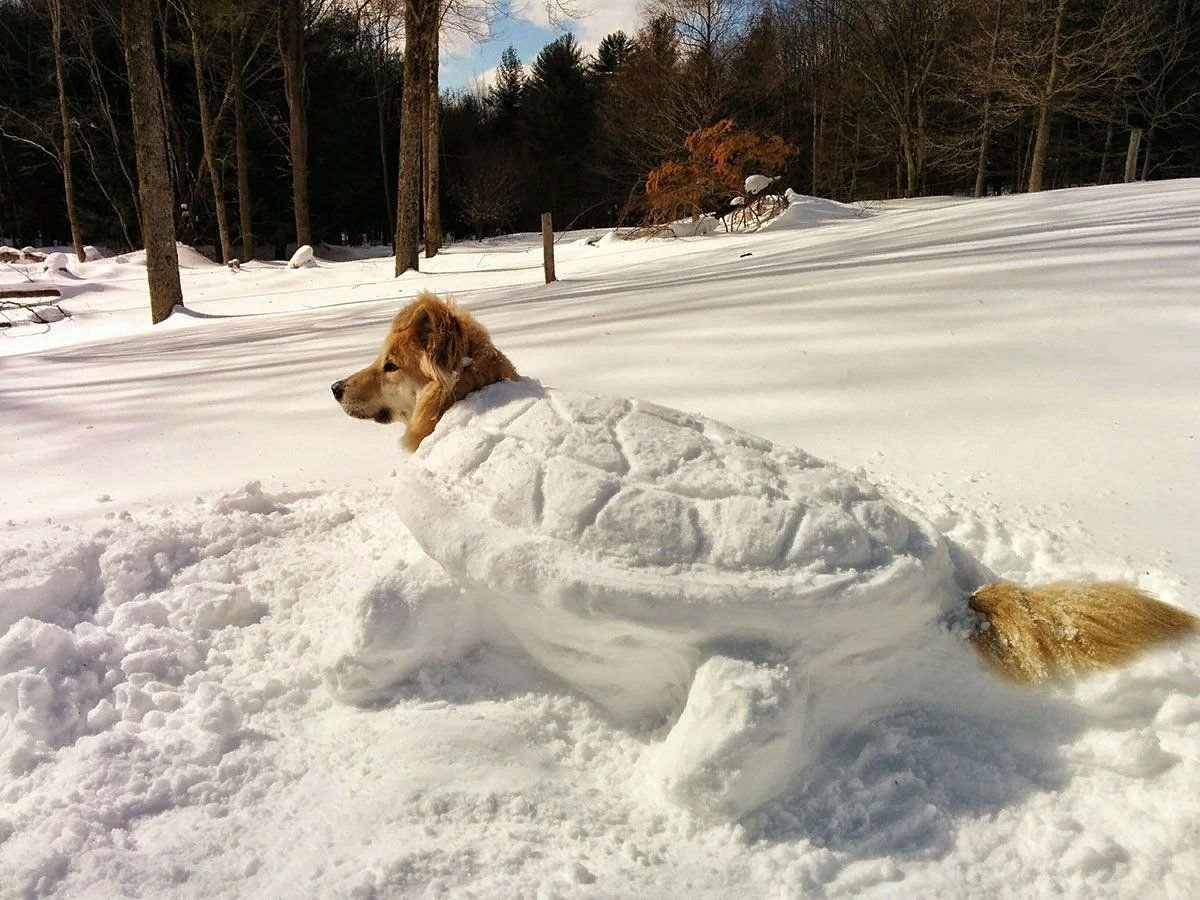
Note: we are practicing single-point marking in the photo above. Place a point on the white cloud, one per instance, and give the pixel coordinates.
(595, 21)
(616, 15)
(467, 63)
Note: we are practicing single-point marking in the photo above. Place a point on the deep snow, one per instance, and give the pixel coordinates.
(1022, 371)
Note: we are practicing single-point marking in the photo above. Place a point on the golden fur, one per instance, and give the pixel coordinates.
(1069, 627)
(434, 356)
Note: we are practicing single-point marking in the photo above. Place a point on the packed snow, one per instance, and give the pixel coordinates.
(804, 211)
(218, 676)
(626, 547)
(301, 258)
(756, 184)
(55, 262)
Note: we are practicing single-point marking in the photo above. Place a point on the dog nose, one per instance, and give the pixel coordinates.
(338, 388)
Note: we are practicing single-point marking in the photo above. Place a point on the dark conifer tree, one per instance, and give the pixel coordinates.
(504, 98)
(557, 117)
(612, 54)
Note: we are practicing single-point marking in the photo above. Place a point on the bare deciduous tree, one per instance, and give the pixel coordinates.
(901, 43)
(200, 30)
(489, 192)
(291, 53)
(57, 9)
(150, 142)
(1070, 56)
(433, 118)
(420, 20)
(1166, 86)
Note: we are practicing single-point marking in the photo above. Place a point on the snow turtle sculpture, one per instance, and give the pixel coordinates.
(667, 566)
(674, 570)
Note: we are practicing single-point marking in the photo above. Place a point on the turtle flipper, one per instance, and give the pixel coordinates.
(411, 618)
(733, 747)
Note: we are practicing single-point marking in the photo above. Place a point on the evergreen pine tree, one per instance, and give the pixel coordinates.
(504, 98)
(613, 52)
(557, 119)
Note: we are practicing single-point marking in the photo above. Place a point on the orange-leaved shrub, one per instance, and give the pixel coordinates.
(719, 158)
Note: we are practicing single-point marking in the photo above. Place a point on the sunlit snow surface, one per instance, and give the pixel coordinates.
(1021, 372)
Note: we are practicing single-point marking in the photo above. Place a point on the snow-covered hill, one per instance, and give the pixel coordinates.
(193, 527)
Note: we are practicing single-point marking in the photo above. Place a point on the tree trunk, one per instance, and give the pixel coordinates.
(910, 163)
(854, 161)
(433, 132)
(245, 207)
(408, 183)
(1146, 158)
(985, 136)
(1131, 157)
(150, 144)
(54, 7)
(381, 97)
(919, 187)
(105, 107)
(1037, 166)
(1108, 139)
(209, 141)
(984, 139)
(291, 52)
(178, 164)
(815, 144)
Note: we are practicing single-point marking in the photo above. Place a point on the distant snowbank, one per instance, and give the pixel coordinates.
(804, 211)
(189, 258)
(349, 252)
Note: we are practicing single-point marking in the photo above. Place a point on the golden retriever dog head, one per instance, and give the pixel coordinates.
(434, 356)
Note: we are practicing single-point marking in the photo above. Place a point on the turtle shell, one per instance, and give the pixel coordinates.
(662, 528)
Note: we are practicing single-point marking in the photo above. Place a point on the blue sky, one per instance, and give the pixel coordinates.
(529, 39)
(529, 34)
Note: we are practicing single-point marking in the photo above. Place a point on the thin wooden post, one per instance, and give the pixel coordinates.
(548, 247)
(1131, 157)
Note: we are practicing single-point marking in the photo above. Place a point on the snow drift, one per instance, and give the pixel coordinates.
(804, 211)
(967, 353)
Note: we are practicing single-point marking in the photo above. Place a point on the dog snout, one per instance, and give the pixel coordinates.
(338, 388)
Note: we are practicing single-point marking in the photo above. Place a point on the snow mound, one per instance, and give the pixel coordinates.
(627, 547)
(804, 210)
(756, 184)
(90, 634)
(189, 258)
(302, 257)
(688, 228)
(55, 262)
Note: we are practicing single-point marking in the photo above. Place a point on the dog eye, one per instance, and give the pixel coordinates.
(390, 366)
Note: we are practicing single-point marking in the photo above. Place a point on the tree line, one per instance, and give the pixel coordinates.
(259, 124)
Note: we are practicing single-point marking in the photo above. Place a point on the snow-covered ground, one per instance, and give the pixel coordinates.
(196, 535)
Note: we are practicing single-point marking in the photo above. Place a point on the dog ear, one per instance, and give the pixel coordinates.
(406, 317)
(442, 340)
(447, 341)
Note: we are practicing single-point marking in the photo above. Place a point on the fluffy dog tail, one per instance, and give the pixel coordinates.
(1069, 627)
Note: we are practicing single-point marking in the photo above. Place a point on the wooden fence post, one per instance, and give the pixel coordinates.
(548, 247)
(1131, 157)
